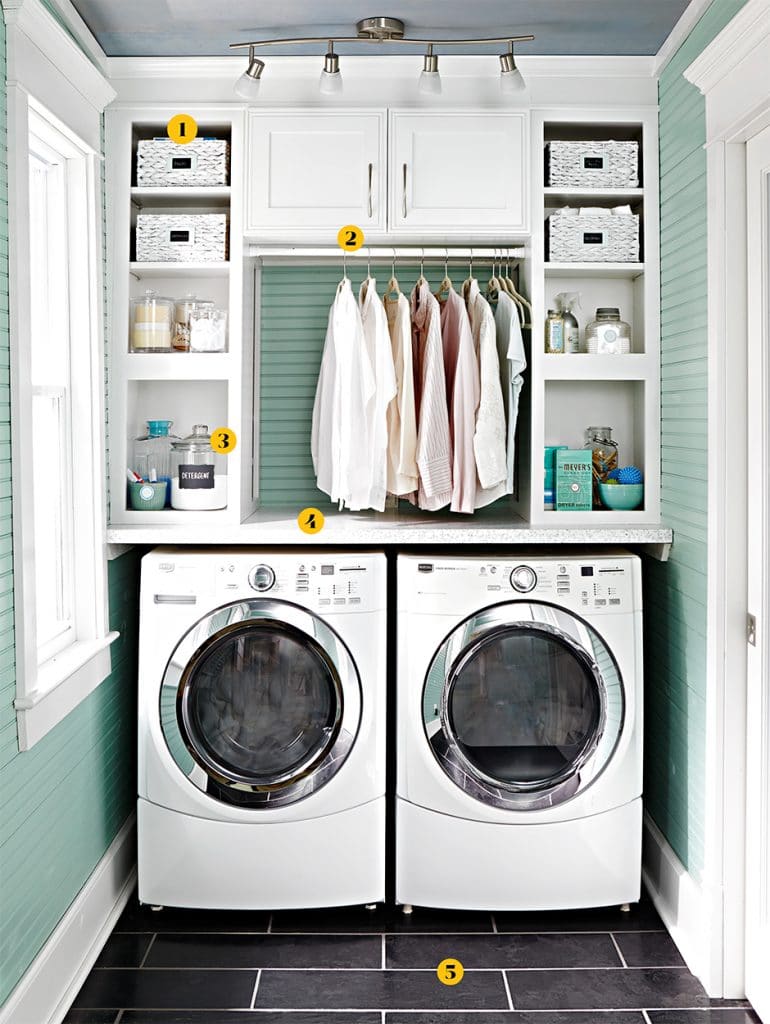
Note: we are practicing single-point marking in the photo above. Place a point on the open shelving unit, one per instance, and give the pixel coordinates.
(215, 388)
(570, 392)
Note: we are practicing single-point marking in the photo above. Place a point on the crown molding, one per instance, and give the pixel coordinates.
(83, 35)
(679, 33)
(748, 30)
(476, 65)
(30, 25)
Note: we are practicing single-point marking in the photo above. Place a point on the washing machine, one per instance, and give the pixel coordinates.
(261, 728)
(519, 771)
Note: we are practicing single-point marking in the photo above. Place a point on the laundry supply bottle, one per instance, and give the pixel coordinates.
(566, 303)
(554, 333)
(152, 453)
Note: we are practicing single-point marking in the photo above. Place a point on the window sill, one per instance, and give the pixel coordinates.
(62, 683)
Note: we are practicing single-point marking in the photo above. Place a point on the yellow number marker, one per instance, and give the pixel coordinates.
(450, 971)
(182, 129)
(223, 440)
(350, 238)
(310, 520)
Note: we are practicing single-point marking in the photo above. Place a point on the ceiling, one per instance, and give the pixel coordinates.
(199, 27)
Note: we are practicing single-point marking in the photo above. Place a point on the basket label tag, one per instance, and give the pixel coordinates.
(593, 237)
(177, 235)
(181, 163)
(593, 163)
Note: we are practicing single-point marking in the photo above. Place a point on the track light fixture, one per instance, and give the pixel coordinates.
(382, 30)
(331, 76)
(247, 86)
(510, 76)
(430, 79)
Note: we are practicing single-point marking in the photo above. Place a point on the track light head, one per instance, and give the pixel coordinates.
(430, 80)
(247, 86)
(331, 76)
(510, 76)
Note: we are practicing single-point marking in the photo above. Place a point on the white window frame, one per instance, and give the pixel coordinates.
(70, 102)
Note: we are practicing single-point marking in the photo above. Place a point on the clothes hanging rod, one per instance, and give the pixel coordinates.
(388, 252)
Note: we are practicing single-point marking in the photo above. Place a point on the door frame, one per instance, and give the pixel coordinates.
(732, 75)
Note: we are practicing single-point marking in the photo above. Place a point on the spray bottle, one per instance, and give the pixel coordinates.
(565, 303)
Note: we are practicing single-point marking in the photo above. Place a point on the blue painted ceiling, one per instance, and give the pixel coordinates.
(201, 27)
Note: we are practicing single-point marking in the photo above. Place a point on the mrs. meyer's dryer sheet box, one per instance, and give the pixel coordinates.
(573, 480)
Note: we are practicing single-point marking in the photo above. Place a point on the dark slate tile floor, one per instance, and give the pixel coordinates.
(353, 966)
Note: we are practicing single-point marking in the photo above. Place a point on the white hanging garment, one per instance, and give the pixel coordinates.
(402, 420)
(380, 356)
(462, 384)
(339, 441)
(434, 451)
(489, 439)
(513, 361)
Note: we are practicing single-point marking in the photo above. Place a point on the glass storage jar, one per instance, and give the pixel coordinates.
(152, 452)
(605, 456)
(152, 323)
(198, 473)
(608, 334)
(182, 310)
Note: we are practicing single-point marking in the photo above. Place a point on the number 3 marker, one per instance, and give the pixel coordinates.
(223, 440)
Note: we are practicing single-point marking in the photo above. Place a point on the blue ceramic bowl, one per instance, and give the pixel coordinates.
(621, 497)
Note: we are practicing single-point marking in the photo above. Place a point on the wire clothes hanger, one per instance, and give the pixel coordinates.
(393, 289)
(470, 278)
(446, 285)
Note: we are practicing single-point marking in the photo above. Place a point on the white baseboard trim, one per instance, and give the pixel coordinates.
(679, 900)
(53, 979)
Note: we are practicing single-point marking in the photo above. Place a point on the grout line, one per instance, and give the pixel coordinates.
(646, 1017)
(384, 961)
(494, 927)
(382, 1017)
(404, 1010)
(508, 991)
(617, 947)
(254, 993)
(119, 1017)
(269, 925)
(396, 970)
(524, 931)
(147, 951)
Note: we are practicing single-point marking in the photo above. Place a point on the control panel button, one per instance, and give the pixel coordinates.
(523, 579)
(261, 578)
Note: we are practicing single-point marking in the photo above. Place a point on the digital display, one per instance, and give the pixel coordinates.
(586, 570)
(327, 570)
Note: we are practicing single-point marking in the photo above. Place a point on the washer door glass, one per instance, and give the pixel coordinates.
(266, 705)
(530, 705)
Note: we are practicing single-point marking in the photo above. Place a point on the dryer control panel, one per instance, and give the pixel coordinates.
(596, 584)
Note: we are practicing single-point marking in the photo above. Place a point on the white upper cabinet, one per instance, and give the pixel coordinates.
(459, 172)
(315, 172)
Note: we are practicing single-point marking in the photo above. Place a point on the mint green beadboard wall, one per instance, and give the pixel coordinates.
(675, 591)
(63, 801)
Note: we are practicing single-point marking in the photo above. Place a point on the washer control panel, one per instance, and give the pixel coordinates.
(314, 582)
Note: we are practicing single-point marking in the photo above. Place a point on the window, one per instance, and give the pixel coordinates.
(58, 433)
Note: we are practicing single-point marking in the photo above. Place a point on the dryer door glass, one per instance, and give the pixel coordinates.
(529, 710)
(260, 703)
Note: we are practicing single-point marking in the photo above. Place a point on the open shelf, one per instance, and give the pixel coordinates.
(178, 366)
(178, 270)
(557, 196)
(159, 197)
(595, 269)
(583, 366)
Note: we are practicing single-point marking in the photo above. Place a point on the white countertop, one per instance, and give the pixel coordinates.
(278, 526)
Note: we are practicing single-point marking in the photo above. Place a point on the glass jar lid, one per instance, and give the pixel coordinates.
(198, 441)
(608, 313)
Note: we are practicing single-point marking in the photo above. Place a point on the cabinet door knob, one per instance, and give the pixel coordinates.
(403, 196)
(369, 205)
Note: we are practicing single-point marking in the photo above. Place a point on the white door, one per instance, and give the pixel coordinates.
(314, 173)
(758, 696)
(452, 172)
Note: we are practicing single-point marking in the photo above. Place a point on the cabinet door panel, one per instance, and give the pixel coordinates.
(315, 172)
(459, 171)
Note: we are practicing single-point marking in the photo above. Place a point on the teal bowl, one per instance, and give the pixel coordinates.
(146, 496)
(621, 497)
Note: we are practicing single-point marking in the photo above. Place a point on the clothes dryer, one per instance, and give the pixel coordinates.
(519, 774)
(261, 728)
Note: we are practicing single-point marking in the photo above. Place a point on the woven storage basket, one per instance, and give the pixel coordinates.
(181, 238)
(201, 162)
(605, 164)
(593, 238)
